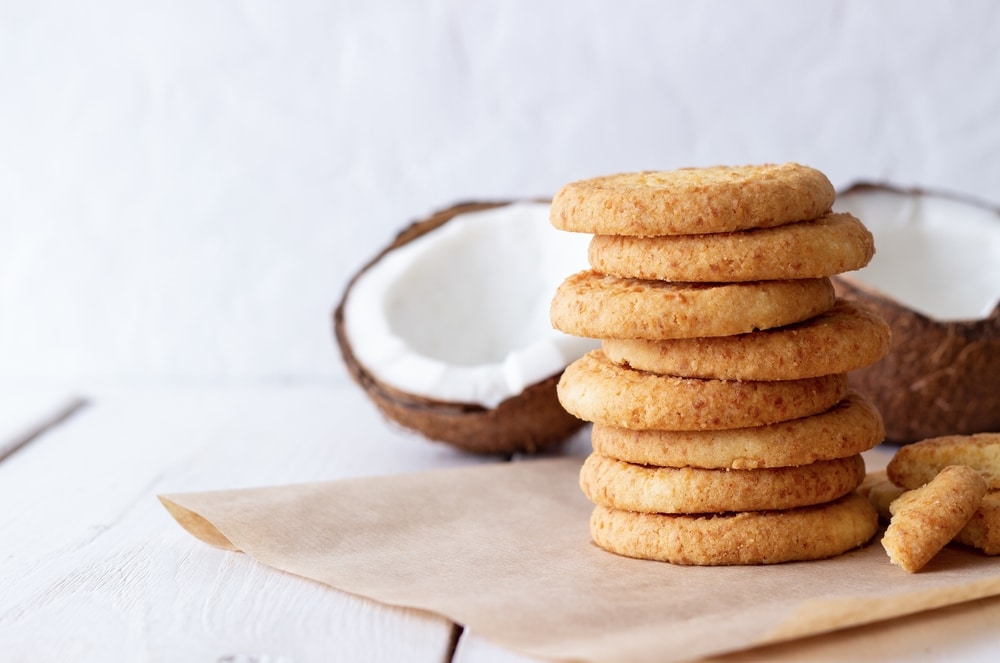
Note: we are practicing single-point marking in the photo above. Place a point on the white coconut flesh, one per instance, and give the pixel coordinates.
(461, 313)
(936, 255)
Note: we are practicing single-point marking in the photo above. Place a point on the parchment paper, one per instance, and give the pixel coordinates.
(505, 550)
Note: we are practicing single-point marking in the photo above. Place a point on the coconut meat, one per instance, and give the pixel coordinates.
(461, 313)
(935, 254)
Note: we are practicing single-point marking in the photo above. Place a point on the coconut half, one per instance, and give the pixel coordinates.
(448, 332)
(935, 278)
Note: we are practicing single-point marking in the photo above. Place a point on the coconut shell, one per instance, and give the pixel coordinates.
(939, 377)
(530, 422)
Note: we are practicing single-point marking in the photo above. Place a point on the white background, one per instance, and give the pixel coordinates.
(185, 186)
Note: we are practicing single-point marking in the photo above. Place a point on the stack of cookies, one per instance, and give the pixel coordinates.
(724, 429)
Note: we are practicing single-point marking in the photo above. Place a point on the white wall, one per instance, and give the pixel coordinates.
(185, 186)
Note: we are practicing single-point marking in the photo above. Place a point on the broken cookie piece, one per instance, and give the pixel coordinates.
(925, 519)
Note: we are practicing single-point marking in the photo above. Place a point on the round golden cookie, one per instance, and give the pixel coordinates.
(847, 337)
(915, 464)
(595, 305)
(829, 245)
(620, 485)
(595, 389)
(850, 427)
(754, 537)
(926, 519)
(693, 200)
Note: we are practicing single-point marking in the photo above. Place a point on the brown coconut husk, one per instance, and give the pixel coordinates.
(530, 422)
(940, 377)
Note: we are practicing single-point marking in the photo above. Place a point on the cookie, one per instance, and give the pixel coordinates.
(925, 519)
(916, 464)
(595, 305)
(850, 427)
(759, 537)
(983, 530)
(693, 200)
(847, 337)
(829, 245)
(594, 389)
(647, 489)
(880, 492)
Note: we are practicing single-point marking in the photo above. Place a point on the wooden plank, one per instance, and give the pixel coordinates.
(27, 413)
(475, 649)
(93, 569)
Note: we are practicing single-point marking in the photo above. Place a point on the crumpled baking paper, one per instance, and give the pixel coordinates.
(505, 551)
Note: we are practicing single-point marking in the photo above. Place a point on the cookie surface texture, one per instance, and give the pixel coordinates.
(594, 389)
(847, 337)
(850, 427)
(924, 520)
(832, 244)
(619, 485)
(595, 305)
(764, 537)
(693, 200)
(915, 464)
(983, 530)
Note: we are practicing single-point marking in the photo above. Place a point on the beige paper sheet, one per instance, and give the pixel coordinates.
(505, 550)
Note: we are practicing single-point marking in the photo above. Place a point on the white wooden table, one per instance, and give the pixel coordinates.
(93, 569)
